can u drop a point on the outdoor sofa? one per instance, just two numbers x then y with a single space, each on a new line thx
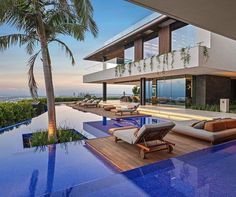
149 138
214 131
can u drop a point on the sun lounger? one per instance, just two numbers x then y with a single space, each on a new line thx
83 101
148 138
88 101
95 103
131 108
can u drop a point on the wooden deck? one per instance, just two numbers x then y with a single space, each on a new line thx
125 156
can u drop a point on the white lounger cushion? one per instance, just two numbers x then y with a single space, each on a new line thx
126 135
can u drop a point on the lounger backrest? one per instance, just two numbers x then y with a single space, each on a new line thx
133 105
153 132
90 101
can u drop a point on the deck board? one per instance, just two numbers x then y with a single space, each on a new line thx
125 156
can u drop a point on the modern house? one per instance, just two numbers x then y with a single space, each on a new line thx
172 62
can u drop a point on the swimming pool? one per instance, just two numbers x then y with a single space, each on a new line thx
36 171
32 171
73 169
207 173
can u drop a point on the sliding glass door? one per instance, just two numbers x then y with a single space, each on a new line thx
173 91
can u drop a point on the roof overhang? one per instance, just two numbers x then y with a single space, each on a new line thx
127 38
214 15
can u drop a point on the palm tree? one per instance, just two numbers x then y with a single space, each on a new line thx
40 22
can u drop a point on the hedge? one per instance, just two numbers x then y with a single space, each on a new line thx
12 113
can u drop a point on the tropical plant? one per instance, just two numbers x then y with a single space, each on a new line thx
40 22
136 90
39 138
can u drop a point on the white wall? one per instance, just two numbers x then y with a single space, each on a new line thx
204 37
222 54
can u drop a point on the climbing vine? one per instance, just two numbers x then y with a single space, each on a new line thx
119 70
162 59
172 58
144 65
205 53
130 67
185 55
158 61
151 63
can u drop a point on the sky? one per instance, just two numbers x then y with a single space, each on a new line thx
111 16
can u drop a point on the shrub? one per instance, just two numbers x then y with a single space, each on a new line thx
64 135
12 113
215 108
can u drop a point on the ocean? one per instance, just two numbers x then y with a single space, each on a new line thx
13 98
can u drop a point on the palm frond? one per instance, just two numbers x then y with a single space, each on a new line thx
67 50
84 10
7 40
31 79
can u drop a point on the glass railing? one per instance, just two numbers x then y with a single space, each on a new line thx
112 63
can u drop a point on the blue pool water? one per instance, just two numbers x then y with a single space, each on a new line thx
73 169
31 171
207 173
100 128
36 171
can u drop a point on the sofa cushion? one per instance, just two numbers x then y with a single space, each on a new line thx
230 123
214 126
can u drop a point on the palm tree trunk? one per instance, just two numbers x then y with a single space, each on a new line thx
49 92
52 132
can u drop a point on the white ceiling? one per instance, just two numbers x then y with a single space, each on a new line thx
218 16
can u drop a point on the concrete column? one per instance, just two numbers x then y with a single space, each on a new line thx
143 91
104 89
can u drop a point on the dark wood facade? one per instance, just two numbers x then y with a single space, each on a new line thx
138 49
164 40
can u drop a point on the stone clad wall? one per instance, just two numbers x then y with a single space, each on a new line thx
209 89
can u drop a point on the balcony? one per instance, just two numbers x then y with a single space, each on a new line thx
173 63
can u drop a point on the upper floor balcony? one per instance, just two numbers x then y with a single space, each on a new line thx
173 63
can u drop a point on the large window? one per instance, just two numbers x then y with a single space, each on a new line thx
171 91
151 47
184 37
129 54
